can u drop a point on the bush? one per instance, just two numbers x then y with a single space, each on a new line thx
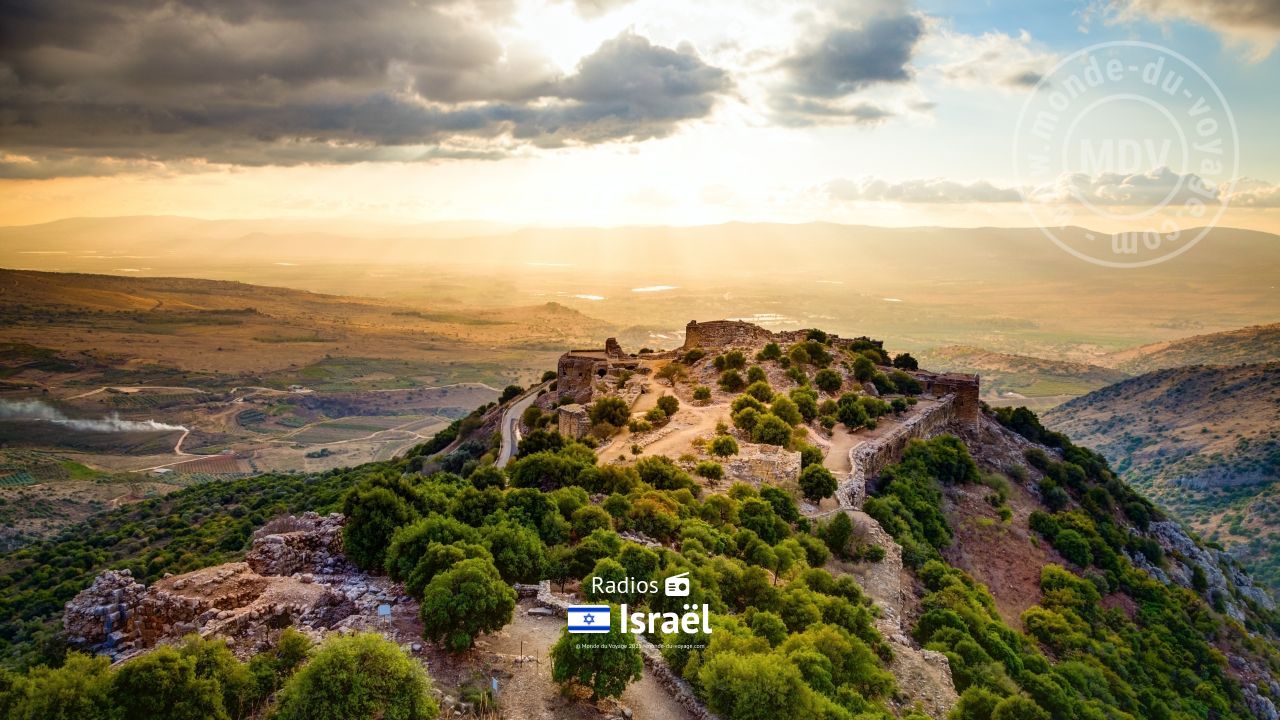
709 470
655 416
905 362
1074 547
669 404
460 603
771 430
785 408
518 553
510 392
437 558
611 410
828 381
373 515
760 391
817 482
662 473
755 374
724 446
731 381
702 393
770 351
604 662
358 676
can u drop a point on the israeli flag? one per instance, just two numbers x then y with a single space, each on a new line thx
588 618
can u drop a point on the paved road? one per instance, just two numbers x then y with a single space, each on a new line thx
510 419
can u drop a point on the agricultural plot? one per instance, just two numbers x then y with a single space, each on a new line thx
351 428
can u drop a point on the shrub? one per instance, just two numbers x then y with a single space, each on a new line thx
510 392
724 446
710 470
785 408
460 603
437 558
1074 547
669 404
828 381
770 351
606 663
771 430
904 361
611 410
358 676
662 473
817 482
702 393
518 553
373 515
731 381
755 374
760 391
655 416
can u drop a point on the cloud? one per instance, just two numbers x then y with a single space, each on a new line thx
1255 23
993 59
1252 193
820 77
1149 189
933 190
91 87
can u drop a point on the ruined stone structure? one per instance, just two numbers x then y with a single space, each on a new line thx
572 421
717 334
578 371
963 386
294 574
760 465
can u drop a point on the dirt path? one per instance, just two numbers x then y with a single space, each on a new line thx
923 676
528 692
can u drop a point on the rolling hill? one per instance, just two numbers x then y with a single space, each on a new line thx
1254 344
1203 441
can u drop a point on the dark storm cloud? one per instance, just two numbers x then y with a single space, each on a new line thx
93 87
844 61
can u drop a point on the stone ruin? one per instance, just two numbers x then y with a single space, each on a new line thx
294 574
573 421
578 371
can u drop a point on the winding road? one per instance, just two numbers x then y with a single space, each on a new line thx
511 421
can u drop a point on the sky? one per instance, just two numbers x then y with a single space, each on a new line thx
624 112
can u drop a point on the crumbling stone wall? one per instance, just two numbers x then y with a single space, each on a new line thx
760 465
963 386
869 458
572 421
101 613
716 334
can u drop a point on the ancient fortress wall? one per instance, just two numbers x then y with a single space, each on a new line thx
869 458
724 334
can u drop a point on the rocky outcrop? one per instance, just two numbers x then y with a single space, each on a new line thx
310 543
101 612
294 574
1186 556
760 465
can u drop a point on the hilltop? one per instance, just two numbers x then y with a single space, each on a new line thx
843 512
1254 344
1020 379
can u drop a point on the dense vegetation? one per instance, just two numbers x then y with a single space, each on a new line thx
346 677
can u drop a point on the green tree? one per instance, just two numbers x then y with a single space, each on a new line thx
709 470
760 390
904 361
510 392
1074 547
358 676
755 687
518 553
373 515
408 543
611 410
771 430
702 393
460 603
770 351
589 518
604 662
756 374
669 404
437 558
863 368
79 690
724 446
817 482
1019 707
828 381
731 381
785 408
836 534
163 684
